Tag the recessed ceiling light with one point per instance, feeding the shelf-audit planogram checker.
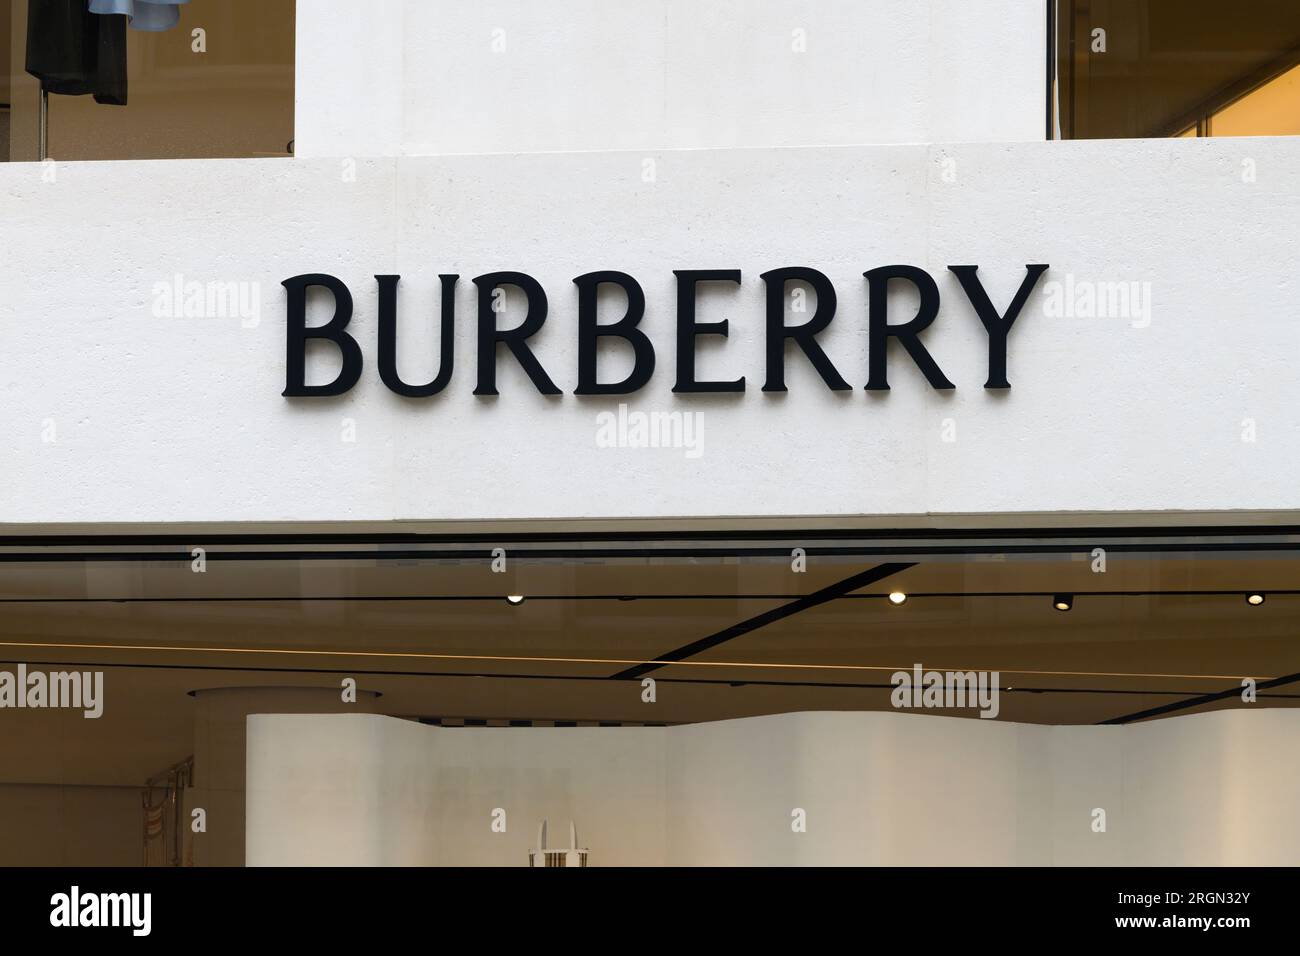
(1063, 602)
(515, 598)
(1255, 599)
(897, 597)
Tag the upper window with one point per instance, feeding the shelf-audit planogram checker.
(1126, 68)
(146, 79)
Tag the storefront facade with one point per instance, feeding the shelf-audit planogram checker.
(1025, 356)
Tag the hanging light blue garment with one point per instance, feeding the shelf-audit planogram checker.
(151, 16)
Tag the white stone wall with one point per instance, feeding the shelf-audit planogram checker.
(114, 412)
(411, 77)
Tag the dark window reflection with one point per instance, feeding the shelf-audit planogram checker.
(1128, 68)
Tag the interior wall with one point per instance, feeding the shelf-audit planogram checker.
(397, 792)
(68, 825)
(6, 46)
(23, 90)
(219, 757)
(6, 91)
(876, 788)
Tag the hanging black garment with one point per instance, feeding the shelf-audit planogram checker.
(73, 51)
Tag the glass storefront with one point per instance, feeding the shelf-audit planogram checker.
(299, 571)
(567, 628)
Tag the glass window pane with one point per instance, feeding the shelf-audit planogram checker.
(1132, 68)
(1271, 110)
(218, 81)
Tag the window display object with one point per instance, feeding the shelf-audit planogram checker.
(568, 857)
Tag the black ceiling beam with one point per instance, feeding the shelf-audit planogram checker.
(1199, 701)
(816, 598)
(514, 675)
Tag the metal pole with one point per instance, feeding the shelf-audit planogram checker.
(42, 146)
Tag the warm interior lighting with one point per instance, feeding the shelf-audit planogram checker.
(1255, 599)
(1268, 110)
(515, 598)
(1063, 602)
(897, 597)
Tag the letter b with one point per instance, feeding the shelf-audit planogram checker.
(297, 333)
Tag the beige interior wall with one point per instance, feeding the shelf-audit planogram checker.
(72, 786)
(23, 90)
(56, 825)
(876, 788)
(6, 56)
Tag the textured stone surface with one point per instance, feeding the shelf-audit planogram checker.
(181, 419)
(410, 77)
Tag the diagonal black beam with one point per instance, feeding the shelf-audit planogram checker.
(830, 593)
(1200, 701)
